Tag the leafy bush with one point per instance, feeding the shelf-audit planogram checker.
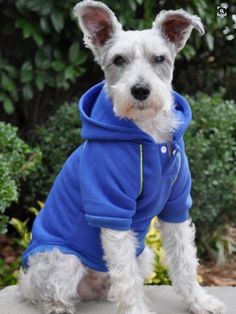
(46, 55)
(43, 60)
(221, 244)
(17, 161)
(9, 273)
(57, 139)
(211, 148)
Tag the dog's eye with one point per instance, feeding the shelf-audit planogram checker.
(119, 61)
(158, 59)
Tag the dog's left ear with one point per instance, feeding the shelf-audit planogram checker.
(176, 26)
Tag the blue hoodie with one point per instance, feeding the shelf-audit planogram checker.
(119, 178)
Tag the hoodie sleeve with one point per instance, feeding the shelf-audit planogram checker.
(109, 183)
(179, 202)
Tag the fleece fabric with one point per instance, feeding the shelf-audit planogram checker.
(119, 178)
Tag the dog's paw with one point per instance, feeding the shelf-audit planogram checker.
(207, 305)
(58, 308)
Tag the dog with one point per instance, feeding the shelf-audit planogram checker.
(88, 240)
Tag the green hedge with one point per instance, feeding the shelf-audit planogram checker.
(57, 139)
(211, 148)
(17, 161)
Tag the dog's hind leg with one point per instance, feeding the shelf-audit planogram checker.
(51, 281)
(178, 241)
(94, 285)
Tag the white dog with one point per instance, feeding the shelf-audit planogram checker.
(88, 240)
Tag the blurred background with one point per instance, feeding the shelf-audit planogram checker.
(44, 68)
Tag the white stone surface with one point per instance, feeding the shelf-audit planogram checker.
(163, 300)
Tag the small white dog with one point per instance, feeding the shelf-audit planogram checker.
(88, 240)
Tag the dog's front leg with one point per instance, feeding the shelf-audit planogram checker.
(178, 241)
(126, 281)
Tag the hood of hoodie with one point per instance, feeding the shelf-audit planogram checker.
(99, 121)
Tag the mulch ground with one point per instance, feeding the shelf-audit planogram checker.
(211, 273)
(218, 275)
(8, 251)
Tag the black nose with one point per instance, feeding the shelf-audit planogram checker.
(140, 91)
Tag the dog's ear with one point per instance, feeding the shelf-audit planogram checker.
(176, 26)
(97, 22)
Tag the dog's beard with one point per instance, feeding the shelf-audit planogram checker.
(126, 106)
(139, 111)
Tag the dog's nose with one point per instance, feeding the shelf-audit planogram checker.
(140, 91)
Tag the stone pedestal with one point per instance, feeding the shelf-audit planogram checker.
(163, 300)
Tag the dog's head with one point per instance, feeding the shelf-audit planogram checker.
(138, 65)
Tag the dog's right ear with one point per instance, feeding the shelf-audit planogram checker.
(97, 22)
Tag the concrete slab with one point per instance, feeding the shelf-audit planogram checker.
(163, 300)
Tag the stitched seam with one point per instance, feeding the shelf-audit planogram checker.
(141, 168)
(180, 162)
(85, 143)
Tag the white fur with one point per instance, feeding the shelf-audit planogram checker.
(126, 277)
(56, 281)
(155, 114)
(178, 241)
(160, 127)
(146, 262)
(51, 281)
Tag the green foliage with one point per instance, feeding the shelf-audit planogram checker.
(153, 239)
(22, 228)
(43, 58)
(221, 244)
(17, 161)
(57, 138)
(9, 273)
(211, 148)
(41, 54)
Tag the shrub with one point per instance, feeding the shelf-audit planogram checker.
(9, 273)
(17, 161)
(57, 139)
(211, 149)
(46, 56)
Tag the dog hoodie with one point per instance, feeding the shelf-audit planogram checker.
(119, 178)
